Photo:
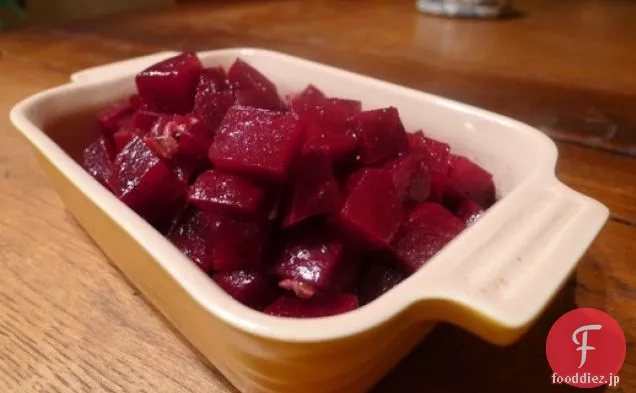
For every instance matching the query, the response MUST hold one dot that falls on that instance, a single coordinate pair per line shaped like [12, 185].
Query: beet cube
[256, 142]
[411, 177]
[214, 189]
[313, 261]
[194, 235]
[427, 229]
[144, 182]
[121, 138]
[249, 288]
[468, 180]
[437, 156]
[469, 212]
[310, 93]
[143, 121]
[381, 135]
[314, 188]
[212, 98]
[214, 79]
[377, 279]
[239, 244]
[169, 86]
[183, 137]
[98, 161]
[110, 118]
[289, 306]
[252, 88]
[372, 211]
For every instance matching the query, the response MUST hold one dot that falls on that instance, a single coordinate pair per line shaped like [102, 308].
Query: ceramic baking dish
[493, 280]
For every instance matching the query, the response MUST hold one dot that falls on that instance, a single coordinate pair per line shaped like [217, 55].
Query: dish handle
[116, 69]
[502, 286]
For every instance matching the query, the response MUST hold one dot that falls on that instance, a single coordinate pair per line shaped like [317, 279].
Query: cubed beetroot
[314, 261]
[372, 211]
[381, 135]
[249, 288]
[98, 161]
[215, 190]
[251, 88]
[213, 98]
[214, 79]
[144, 182]
[411, 177]
[437, 156]
[169, 86]
[143, 120]
[194, 235]
[239, 244]
[468, 180]
[376, 279]
[289, 306]
[427, 229]
[110, 118]
[121, 138]
[257, 142]
[328, 125]
[469, 212]
[311, 93]
[314, 188]
[182, 137]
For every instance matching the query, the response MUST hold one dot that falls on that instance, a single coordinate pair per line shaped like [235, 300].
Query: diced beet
[311, 92]
[214, 189]
[249, 288]
[427, 229]
[135, 102]
[257, 142]
[169, 86]
[111, 117]
[469, 211]
[212, 98]
[377, 279]
[289, 306]
[328, 125]
[239, 244]
[372, 211]
[252, 88]
[144, 182]
[143, 121]
[98, 161]
[437, 155]
[121, 138]
[411, 177]
[183, 137]
[194, 235]
[313, 261]
[169, 222]
[314, 188]
[468, 180]
[381, 135]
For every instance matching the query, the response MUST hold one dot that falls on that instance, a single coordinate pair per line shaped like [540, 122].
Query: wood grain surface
[70, 323]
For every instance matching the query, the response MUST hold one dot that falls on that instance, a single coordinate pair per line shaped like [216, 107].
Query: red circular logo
[586, 348]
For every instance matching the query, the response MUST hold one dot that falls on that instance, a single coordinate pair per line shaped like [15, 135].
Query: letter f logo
[583, 344]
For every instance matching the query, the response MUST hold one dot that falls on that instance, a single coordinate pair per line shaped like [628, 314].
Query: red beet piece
[289, 306]
[212, 98]
[256, 142]
[98, 161]
[144, 182]
[121, 138]
[469, 211]
[214, 189]
[314, 261]
[310, 93]
[328, 125]
[183, 137]
[110, 118]
[427, 229]
[376, 280]
[239, 244]
[169, 86]
[372, 211]
[314, 189]
[143, 121]
[411, 177]
[194, 235]
[381, 135]
[249, 288]
[437, 156]
[252, 88]
[468, 180]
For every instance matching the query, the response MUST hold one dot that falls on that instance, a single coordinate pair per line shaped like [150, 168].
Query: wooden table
[70, 323]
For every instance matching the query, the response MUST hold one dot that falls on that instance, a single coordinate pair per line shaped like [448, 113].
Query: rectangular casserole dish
[493, 280]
